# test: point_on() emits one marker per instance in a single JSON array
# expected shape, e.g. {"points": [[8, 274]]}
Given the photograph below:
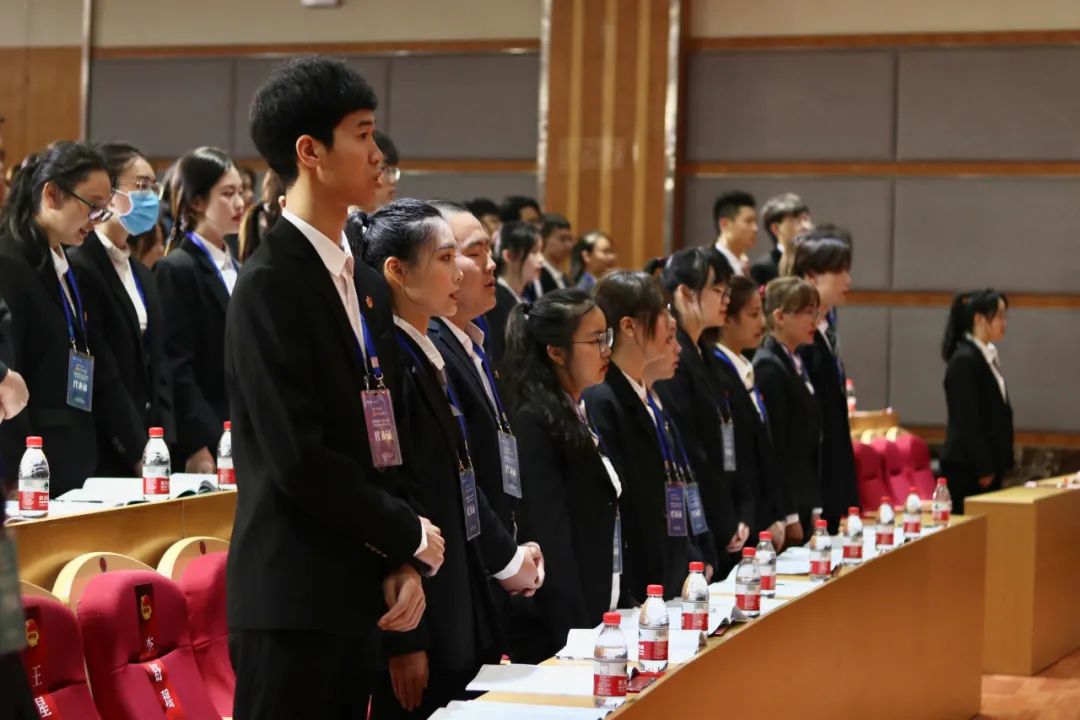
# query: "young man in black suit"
{"points": [[783, 217], [322, 544], [558, 243]]}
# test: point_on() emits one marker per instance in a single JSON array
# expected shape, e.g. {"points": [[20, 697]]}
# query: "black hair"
{"points": [[304, 96], [587, 243], [142, 243], [482, 206], [65, 164], [816, 252], [630, 294], [965, 306], [527, 371], [553, 222], [196, 175], [448, 208], [398, 229], [690, 267], [728, 204], [518, 238], [722, 269], [780, 208], [248, 173], [386, 147], [118, 156], [510, 210], [261, 216], [839, 232], [654, 265], [742, 289]]}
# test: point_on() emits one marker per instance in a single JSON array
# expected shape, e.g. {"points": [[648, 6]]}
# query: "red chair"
{"points": [[916, 457], [138, 649], [896, 475], [53, 659], [869, 477], [203, 584]]}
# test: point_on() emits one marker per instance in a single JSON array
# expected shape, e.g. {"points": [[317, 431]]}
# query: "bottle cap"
{"points": [[228, 425], [821, 524], [657, 590], [886, 500], [33, 442], [748, 552], [697, 567], [913, 490], [853, 510], [612, 618], [942, 481], [156, 432], [765, 535]]}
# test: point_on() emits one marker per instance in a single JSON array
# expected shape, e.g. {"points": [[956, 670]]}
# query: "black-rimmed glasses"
{"points": [[603, 342], [97, 214]]}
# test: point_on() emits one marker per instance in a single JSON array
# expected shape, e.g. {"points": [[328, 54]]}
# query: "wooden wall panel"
{"points": [[39, 97]]}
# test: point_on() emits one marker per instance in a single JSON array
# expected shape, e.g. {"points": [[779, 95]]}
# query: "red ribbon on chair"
{"points": [[166, 693]]}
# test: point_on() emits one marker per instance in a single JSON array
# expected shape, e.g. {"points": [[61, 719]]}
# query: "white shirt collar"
{"points": [[736, 263], [989, 350], [60, 262], [555, 273], [119, 256], [469, 338], [743, 367], [639, 389], [221, 258], [331, 253], [517, 298], [430, 351]]}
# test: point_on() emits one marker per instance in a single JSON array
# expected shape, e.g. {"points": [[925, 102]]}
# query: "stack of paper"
{"points": [[482, 710], [541, 679]]}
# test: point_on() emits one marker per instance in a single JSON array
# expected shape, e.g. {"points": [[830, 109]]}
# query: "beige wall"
{"points": [[40, 23], [739, 18]]}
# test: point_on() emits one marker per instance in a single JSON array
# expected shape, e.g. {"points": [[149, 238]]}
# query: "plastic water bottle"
{"points": [[849, 391], [653, 632], [748, 584], [912, 515], [820, 552], [157, 467], [609, 664], [941, 505], [226, 475], [765, 554], [886, 526], [695, 599], [853, 537], [33, 481]]}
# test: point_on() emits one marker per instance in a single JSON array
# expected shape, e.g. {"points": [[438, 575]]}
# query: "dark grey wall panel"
{"points": [[989, 104], [465, 186], [251, 72], [1015, 234], [165, 107], [916, 371], [864, 205], [790, 106], [864, 334], [480, 106]]}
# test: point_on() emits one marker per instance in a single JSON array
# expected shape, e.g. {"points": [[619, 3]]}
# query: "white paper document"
{"points": [[482, 710], [543, 679]]}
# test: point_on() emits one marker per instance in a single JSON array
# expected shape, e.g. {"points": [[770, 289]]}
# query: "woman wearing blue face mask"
{"points": [[123, 297]]}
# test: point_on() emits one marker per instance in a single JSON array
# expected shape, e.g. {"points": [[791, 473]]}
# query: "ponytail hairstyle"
{"points": [[633, 295], [527, 372], [789, 295], [196, 175], [518, 238], [261, 216], [825, 249], [965, 306], [689, 267], [399, 229], [65, 164], [586, 244]]}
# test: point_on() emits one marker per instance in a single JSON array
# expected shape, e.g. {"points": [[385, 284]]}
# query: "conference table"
{"points": [[1032, 587]]}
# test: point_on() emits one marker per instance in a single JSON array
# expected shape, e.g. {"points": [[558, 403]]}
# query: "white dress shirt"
{"points": [[737, 264], [223, 260], [643, 395], [797, 361], [990, 354], [60, 265], [470, 338], [121, 262], [745, 370]]}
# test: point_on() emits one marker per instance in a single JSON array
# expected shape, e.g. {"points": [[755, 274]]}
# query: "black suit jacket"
{"points": [[457, 631], [629, 437], [317, 527], [547, 284], [755, 457], [195, 301], [497, 319], [838, 488], [568, 507], [140, 359], [979, 436], [767, 267], [795, 421]]}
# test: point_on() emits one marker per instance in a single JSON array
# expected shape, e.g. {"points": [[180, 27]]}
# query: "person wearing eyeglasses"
{"points": [[123, 294], [56, 201], [557, 347], [792, 311]]}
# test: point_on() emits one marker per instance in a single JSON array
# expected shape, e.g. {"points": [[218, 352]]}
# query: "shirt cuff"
{"points": [[423, 541], [512, 569], [792, 519]]}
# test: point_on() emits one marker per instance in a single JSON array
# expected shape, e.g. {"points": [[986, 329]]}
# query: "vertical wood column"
{"points": [[39, 97], [607, 143]]}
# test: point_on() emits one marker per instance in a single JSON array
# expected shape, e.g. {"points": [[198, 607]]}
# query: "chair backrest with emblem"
{"points": [[53, 659]]}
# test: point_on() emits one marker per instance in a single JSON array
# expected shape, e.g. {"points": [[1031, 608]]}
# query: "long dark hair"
{"points": [[261, 216], [519, 238], [65, 164], [631, 294], [526, 369], [196, 175], [965, 306]]}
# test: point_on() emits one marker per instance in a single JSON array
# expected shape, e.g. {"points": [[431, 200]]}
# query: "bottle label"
{"points": [[226, 476], [609, 678], [912, 525], [885, 537], [853, 551], [155, 485], [941, 516], [821, 567], [33, 500], [653, 644], [693, 619], [748, 601], [768, 582]]}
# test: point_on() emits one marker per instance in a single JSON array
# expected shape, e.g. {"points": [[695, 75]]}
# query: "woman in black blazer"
{"points": [[979, 437], [791, 312], [518, 258], [414, 249], [702, 410], [657, 548], [196, 280], [56, 201], [128, 312], [557, 347], [756, 458]]}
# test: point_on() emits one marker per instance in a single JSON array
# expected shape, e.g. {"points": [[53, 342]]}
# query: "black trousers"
{"points": [[15, 690], [290, 674], [443, 686], [964, 482]]}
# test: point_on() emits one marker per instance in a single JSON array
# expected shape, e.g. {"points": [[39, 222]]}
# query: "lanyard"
{"points": [[368, 357], [677, 438], [503, 419], [451, 397], [206, 251], [665, 449], [758, 399], [80, 319]]}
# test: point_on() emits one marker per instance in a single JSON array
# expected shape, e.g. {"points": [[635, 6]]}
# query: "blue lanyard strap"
{"points": [[368, 356], [451, 397], [503, 419], [206, 251], [758, 399], [80, 319], [665, 450], [677, 437]]}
